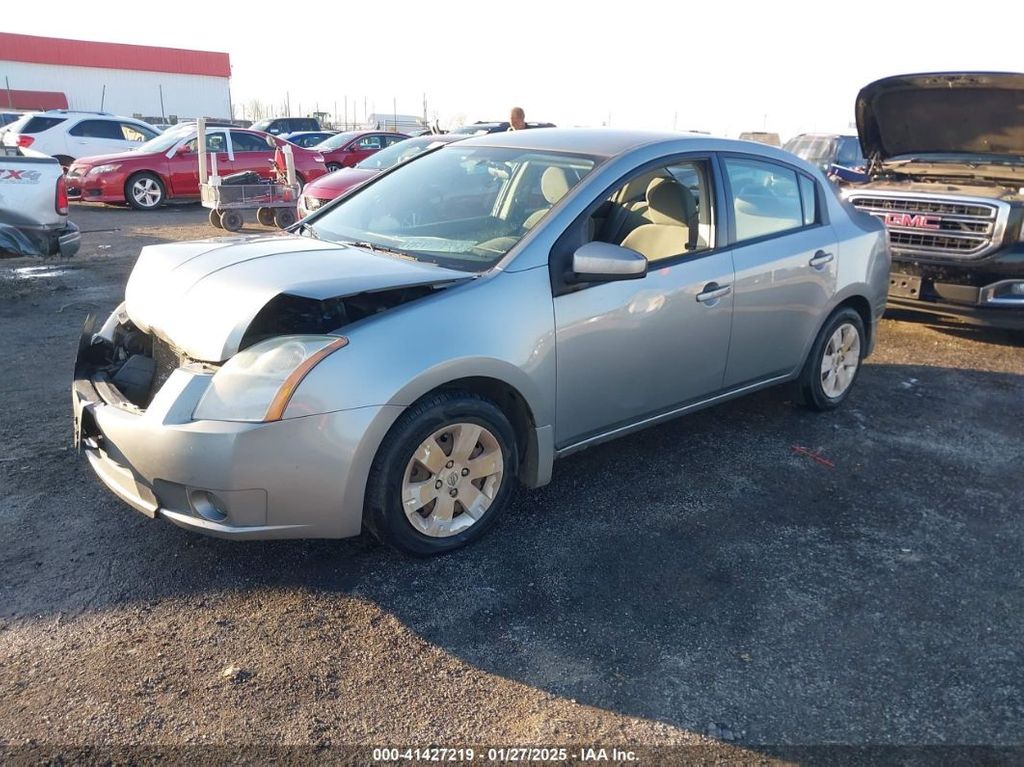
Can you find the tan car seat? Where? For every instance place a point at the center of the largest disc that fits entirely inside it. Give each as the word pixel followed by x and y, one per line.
pixel 553 185
pixel 671 209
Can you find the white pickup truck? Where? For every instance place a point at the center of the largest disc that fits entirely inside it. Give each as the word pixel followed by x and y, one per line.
pixel 34 206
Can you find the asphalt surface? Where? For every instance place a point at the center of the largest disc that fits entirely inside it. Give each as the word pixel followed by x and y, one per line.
pixel 750 576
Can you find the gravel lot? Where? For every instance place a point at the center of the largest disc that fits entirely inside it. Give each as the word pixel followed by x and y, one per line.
pixel 701 582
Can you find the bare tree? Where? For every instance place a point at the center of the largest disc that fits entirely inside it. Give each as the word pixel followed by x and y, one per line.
pixel 257 110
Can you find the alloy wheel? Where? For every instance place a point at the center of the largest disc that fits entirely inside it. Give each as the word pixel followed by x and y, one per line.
pixel 452 479
pixel 146 192
pixel 840 360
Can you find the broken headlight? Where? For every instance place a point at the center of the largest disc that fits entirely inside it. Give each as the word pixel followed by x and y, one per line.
pixel 257 383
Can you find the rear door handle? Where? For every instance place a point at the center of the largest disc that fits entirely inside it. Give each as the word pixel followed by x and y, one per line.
pixel 820 259
pixel 712 292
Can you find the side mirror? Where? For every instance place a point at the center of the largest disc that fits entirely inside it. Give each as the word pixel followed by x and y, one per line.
pixel 604 262
pixel 184 149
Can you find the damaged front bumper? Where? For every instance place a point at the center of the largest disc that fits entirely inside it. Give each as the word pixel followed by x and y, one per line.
pixel 295 478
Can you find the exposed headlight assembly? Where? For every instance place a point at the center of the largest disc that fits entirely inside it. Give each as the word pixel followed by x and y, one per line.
pixel 258 383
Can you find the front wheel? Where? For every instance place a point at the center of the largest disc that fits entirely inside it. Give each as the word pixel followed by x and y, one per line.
pixel 144 191
pixel 333 166
pixel 834 361
pixel 284 217
pixel 215 218
pixel 442 476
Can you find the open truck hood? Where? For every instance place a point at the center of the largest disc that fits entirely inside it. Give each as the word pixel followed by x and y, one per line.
pixel 947 113
pixel 201 296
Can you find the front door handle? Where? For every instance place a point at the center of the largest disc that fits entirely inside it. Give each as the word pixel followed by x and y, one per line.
pixel 820 259
pixel 712 292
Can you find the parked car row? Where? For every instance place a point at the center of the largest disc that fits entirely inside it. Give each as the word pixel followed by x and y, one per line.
pixel 167 167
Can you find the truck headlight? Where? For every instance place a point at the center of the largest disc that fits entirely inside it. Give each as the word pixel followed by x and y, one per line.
pixel 258 383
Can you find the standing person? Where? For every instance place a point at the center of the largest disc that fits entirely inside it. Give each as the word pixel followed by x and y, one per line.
pixel 517 119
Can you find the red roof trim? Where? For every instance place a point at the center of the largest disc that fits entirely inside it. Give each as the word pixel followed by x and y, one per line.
pixel 84 53
pixel 41 100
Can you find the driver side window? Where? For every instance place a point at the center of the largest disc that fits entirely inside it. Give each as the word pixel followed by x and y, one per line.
pixel 215 142
pixel 664 213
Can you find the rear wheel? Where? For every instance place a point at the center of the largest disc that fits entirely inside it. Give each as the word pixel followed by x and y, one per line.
pixel 265 216
pixel 231 220
pixel 144 191
pixel 333 166
pixel 284 217
pixel 442 476
pixel 215 218
pixel 834 361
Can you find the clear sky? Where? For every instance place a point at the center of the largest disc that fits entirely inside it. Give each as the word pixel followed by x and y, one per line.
pixel 787 66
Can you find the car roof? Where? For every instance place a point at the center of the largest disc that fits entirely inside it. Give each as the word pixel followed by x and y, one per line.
pixel 604 142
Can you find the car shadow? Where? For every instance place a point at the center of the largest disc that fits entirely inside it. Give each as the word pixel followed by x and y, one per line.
pixel 777 572
pixel 959 330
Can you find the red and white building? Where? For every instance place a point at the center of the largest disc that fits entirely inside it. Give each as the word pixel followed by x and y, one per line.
pixel 54 73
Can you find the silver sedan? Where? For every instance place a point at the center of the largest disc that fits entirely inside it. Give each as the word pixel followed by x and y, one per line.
pixel 403 357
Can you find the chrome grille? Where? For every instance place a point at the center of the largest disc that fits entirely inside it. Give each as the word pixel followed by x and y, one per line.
pixel 935 228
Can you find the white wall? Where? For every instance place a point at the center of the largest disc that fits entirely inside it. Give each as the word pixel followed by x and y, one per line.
pixel 128 91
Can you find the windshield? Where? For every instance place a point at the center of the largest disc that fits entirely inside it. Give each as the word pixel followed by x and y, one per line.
pixel 461 207
pixel 814 149
pixel 396 153
pixel 337 140
pixel 848 154
pixel 163 142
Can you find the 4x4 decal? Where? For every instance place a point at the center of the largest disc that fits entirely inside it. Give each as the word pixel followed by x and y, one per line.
pixel 26 176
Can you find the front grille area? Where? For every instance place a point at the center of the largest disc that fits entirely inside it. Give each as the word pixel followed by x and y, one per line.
pixel 937 229
pixel 167 361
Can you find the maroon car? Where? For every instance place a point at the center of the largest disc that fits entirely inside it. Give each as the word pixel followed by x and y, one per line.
pixel 343 150
pixel 167 166
pixel 326 188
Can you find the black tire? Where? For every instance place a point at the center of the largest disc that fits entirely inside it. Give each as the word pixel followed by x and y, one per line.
pixel 810 386
pixel 150 201
pixel 65 161
pixel 231 220
pixel 383 514
pixel 215 218
pixel 333 166
pixel 284 217
pixel 265 216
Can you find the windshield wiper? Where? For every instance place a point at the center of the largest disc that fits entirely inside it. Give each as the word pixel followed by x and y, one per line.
pixel 374 248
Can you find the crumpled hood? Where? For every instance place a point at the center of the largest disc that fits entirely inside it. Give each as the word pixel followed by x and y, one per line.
pixel 974 113
pixel 200 296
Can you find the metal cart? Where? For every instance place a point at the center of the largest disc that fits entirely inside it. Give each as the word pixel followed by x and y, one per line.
pixel 275 202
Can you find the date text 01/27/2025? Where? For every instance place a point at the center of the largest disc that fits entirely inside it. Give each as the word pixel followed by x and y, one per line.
pixel 503 754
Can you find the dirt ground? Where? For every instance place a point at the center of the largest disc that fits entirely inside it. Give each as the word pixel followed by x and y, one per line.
pixel 702 582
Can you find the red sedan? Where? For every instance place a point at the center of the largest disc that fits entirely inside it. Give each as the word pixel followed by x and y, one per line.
pixel 335 184
pixel 343 150
pixel 167 167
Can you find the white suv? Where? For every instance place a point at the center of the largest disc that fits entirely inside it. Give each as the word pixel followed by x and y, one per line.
pixel 69 136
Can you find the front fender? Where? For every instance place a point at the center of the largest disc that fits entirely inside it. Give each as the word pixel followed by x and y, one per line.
pixel 499 326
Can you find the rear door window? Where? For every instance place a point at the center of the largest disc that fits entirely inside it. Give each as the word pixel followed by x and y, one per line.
pixel 766 198
pixel 246 142
pixel 98 129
